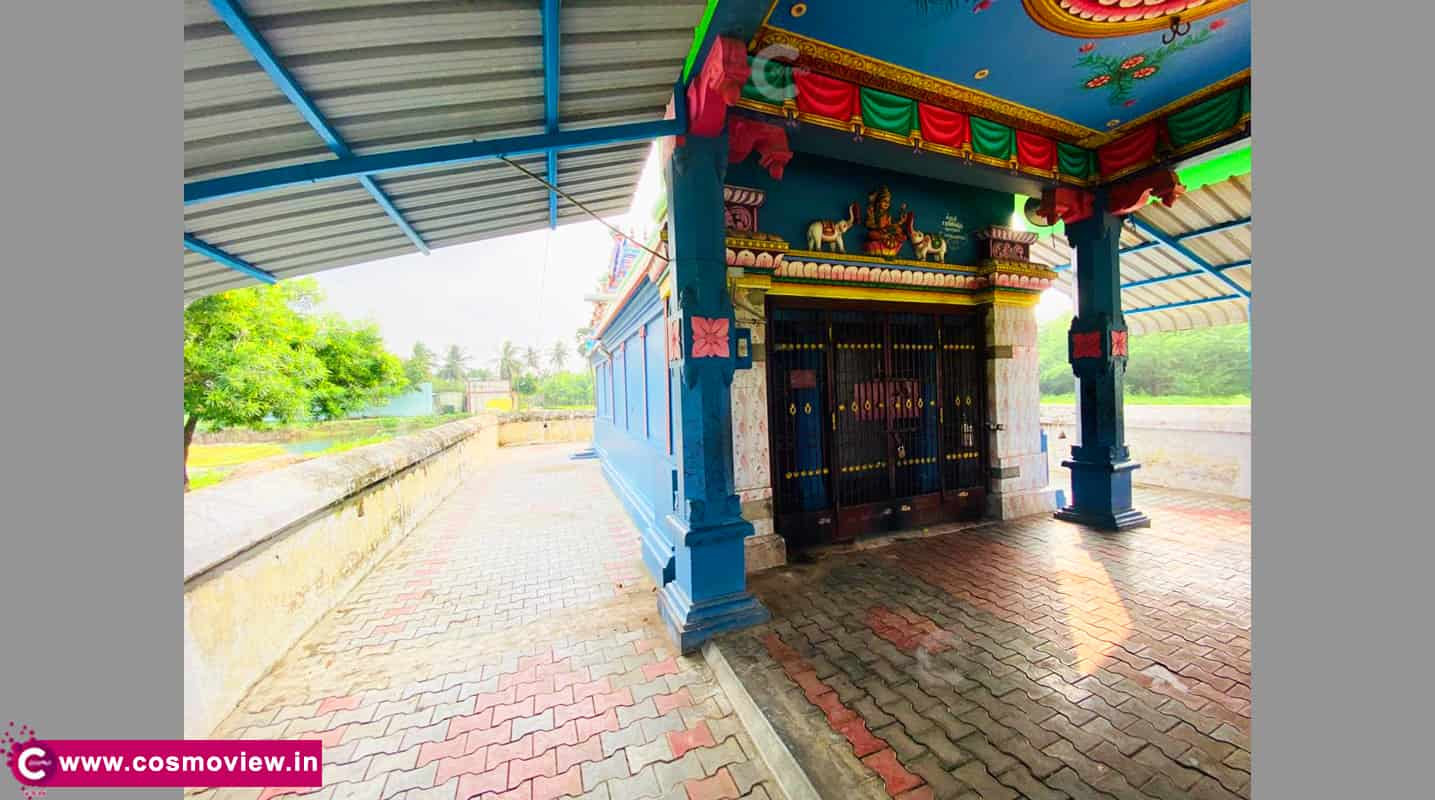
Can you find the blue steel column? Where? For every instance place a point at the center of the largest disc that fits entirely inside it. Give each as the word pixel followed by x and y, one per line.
pixel 1100 462
pixel 708 593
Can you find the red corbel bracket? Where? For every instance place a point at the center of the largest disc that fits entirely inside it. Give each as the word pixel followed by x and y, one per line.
pixel 717 85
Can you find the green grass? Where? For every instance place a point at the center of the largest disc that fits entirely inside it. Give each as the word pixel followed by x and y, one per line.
pixel 1163 400
pixel 344 447
pixel 198 479
pixel 203 456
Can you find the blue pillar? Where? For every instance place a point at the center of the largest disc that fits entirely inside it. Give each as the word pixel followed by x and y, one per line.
pixel 1100 463
pixel 708 593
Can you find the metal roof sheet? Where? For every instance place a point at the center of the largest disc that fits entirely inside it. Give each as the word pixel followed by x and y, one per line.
pixel 397 74
pixel 1226 202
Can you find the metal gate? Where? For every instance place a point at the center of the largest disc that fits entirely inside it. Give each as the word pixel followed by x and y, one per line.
pixel 877 419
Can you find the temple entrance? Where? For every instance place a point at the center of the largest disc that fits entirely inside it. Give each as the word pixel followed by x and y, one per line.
pixel 877 418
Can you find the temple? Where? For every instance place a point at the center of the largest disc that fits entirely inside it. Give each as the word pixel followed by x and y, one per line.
pixel 827 330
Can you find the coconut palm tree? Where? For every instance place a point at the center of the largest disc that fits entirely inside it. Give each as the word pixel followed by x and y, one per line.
pixel 558 356
pixel 510 366
pixel 455 364
pixel 532 358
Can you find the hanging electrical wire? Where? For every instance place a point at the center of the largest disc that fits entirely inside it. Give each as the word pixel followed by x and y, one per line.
pixel 575 201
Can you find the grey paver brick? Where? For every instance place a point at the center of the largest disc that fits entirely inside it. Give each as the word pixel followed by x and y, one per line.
pixel 613 767
pixel 364 790
pixel 642 755
pixel 644 784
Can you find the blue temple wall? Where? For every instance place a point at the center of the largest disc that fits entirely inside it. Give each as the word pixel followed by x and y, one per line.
pixel 813 188
pixel 630 432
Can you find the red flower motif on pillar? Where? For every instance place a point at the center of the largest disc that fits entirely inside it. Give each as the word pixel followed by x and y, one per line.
pixel 1086 345
pixel 710 337
pixel 1118 343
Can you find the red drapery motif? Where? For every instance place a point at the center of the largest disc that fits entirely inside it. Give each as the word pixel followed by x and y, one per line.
pixel 1129 150
pixel 941 126
pixel 1037 152
pixel 819 94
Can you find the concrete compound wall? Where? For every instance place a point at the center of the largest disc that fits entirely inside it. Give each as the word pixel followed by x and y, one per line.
pixel 542 427
pixel 265 558
pixel 1200 448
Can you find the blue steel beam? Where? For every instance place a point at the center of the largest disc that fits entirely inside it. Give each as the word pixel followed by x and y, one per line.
pixel 551 86
pixel 1184 304
pixel 233 15
pixel 233 262
pixel 434 156
pixel 1180 237
pixel 1179 275
pixel 1185 252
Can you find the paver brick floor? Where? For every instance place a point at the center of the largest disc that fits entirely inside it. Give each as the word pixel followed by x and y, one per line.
pixel 509 647
pixel 1030 658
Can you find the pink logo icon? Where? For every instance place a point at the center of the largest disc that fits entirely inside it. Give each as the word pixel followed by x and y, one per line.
pixel 30 760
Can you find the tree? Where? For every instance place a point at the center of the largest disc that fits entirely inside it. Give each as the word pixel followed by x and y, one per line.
pixel 558 356
pixel 567 389
pixel 481 374
pixel 533 360
pixel 256 354
pixel 509 363
pixel 358 371
pixel 420 366
pixel 455 364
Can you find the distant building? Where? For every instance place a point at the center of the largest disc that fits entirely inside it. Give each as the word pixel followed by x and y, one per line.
pixel 488 396
pixel 416 402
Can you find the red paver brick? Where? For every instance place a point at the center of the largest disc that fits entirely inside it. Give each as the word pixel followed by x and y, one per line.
pixel 501 733
pixel 489 699
pixel 529 662
pixel 592 726
pixel 588 750
pixel 522 769
pixel 920 793
pixel 553 669
pixel 682 698
pixel 547 740
pixel 449 748
pixel 499 753
pixel 473 784
pixel 533 688
pixel 583 708
pixel 895 777
pixel 592 688
pixel 508 679
pixel 668 666
pixel 543 702
pixel 565 783
pixel 562 680
pixel 348 703
pixel 696 736
pixel 331 737
pixel 470 722
pixel 603 702
pixel 832 706
pixel 474 763
pixel 718 787
pixel 645 645
pixel 522 708
pixel 864 743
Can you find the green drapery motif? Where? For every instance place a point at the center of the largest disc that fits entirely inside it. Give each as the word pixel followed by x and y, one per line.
pixel 1205 118
pixel 888 112
pixel 1074 161
pixel 1245 100
pixel 770 82
pixel 993 139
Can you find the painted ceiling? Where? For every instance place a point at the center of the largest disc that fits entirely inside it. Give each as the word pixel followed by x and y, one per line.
pixel 1079 68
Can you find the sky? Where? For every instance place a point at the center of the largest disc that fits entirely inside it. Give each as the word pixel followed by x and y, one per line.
pixel 528 288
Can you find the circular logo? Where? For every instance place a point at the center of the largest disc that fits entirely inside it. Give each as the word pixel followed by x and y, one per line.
pixel 33 763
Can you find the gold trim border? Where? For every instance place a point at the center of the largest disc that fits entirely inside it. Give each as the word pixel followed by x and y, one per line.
pixel 996 296
pixel 851 66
